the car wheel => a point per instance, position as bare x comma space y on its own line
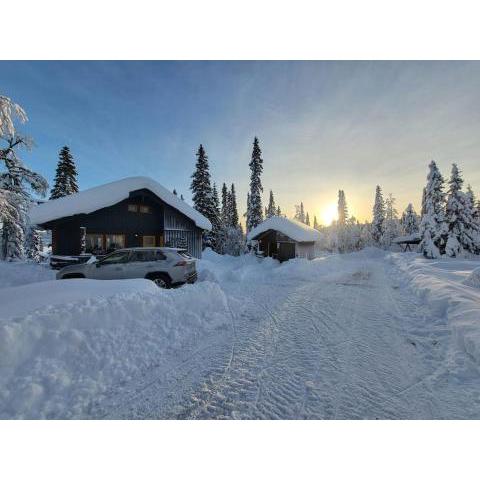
161, 281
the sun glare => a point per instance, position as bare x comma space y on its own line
329, 214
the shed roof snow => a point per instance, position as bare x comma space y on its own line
291, 228
107, 195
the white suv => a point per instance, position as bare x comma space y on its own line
166, 267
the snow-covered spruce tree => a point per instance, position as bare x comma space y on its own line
463, 231
233, 242
409, 221
424, 195
271, 210
255, 211
433, 228
473, 203
225, 210
342, 208
233, 207
34, 245
218, 232
202, 194
299, 213
65, 182
16, 181
342, 230
391, 226
366, 238
279, 211
246, 215
315, 223
307, 219
378, 216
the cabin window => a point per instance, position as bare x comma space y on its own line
93, 242
114, 242
134, 208
145, 209
100, 242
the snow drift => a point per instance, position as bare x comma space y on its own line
444, 284
59, 359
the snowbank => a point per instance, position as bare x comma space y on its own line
444, 284
228, 271
473, 280
20, 273
54, 292
83, 338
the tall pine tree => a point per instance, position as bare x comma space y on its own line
254, 210
463, 231
342, 208
378, 216
202, 195
271, 210
409, 221
65, 182
234, 220
433, 228
391, 226
307, 219
225, 212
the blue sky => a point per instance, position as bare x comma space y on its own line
322, 125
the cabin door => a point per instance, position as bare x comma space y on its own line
148, 241
285, 251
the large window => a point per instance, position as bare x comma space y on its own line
113, 242
94, 242
100, 242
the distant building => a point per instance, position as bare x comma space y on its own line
281, 238
133, 212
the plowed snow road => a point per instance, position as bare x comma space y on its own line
354, 345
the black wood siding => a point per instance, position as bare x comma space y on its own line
116, 219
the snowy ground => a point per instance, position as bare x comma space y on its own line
364, 335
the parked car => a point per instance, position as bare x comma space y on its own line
166, 267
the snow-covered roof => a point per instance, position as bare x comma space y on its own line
291, 228
109, 194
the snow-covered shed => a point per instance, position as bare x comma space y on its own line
132, 212
282, 238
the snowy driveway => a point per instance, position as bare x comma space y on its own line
351, 343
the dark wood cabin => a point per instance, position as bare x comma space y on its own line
140, 220
276, 245
273, 241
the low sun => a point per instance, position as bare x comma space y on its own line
329, 214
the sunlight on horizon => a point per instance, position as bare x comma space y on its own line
328, 214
